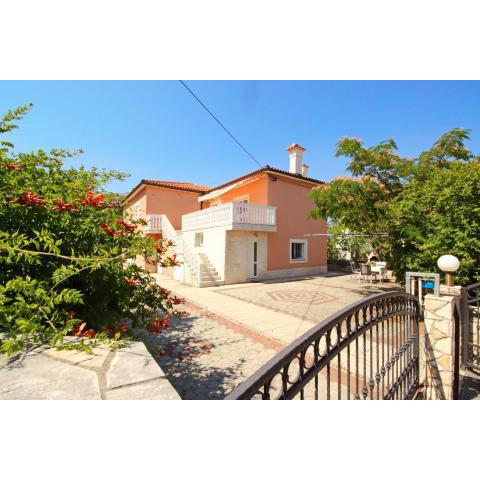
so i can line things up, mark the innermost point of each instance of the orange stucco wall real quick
(293, 205)
(172, 203)
(257, 192)
(139, 198)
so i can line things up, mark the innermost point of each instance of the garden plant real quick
(67, 254)
(428, 205)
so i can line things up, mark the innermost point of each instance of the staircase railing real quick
(190, 258)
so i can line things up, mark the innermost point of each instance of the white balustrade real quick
(230, 214)
(191, 260)
(154, 224)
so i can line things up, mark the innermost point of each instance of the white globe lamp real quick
(448, 264)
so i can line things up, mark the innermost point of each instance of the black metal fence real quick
(369, 350)
(470, 305)
(457, 334)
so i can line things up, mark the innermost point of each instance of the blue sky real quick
(156, 130)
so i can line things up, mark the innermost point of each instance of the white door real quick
(254, 262)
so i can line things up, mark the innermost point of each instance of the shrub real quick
(67, 252)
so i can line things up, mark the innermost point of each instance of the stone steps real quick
(209, 276)
(211, 283)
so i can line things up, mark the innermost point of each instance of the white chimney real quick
(305, 170)
(296, 158)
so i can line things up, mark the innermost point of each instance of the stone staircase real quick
(209, 277)
(198, 264)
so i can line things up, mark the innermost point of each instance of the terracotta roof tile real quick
(266, 169)
(191, 187)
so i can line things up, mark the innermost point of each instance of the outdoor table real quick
(379, 270)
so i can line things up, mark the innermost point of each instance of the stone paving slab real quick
(132, 364)
(234, 355)
(156, 389)
(49, 374)
(80, 358)
(38, 377)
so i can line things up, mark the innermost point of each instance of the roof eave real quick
(133, 191)
(146, 183)
(268, 169)
(172, 187)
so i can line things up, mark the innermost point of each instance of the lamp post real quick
(448, 264)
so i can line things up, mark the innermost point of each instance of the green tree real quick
(67, 252)
(428, 205)
(346, 247)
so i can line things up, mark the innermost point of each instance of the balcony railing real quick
(154, 224)
(233, 216)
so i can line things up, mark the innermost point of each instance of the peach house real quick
(251, 228)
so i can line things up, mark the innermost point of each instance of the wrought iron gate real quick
(470, 306)
(369, 350)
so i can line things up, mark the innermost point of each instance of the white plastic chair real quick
(355, 271)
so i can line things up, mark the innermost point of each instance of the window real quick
(298, 251)
(199, 239)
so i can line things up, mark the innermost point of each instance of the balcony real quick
(233, 216)
(154, 224)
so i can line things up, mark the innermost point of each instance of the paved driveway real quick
(233, 330)
(310, 299)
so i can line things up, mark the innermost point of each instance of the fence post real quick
(441, 345)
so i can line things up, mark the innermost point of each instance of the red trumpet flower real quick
(78, 332)
(61, 206)
(30, 199)
(13, 166)
(93, 200)
(128, 227)
(131, 281)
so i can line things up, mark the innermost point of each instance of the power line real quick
(220, 123)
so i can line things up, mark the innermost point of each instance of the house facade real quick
(251, 228)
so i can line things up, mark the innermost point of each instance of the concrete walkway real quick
(276, 325)
(261, 308)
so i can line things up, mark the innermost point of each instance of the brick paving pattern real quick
(311, 300)
(206, 357)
